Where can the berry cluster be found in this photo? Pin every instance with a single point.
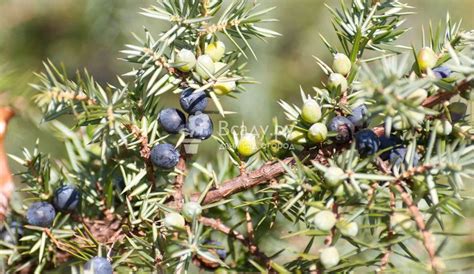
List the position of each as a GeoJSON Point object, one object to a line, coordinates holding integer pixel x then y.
{"type": "Point", "coordinates": [198, 125]}
{"type": "Point", "coordinates": [66, 199]}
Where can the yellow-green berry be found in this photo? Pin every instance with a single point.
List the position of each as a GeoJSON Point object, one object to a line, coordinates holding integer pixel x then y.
{"type": "Point", "coordinates": [205, 66]}
{"type": "Point", "coordinates": [325, 220]}
{"type": "Point", "coordinates": [216, 50]}
{"type": "Point", "coordinates": [349, 229]}
{"type": "Point", "coordinates": [224, 87]}
{"type": "Point", "coordinates": [418, 96]}
{"type": "Point", "coordinates": [298, 137]}
{"type": "Point", "coordinates": [317, 133]}
{"type": "Point", "coordinates": [329, 257]}
{"type": "Point", "coordinates": [336, 80]}
{"type": "Point", "coordinates": [341, 64]}
{"type": "Point", "coordinates": [334, 176]}
{"type": "Point", "coordinates": [186, 59]}
{"type": "Point", "coordinates": [311, 111]}
{"type": "Point", "coordinates": [247, 145]}
{"type": "Point", "coordinates": [401, 220]}
{"type": "Point", "coordinates": [191, 210]}
{"type": "Point", "coordinates": [426, 59]}
{"type": "Point", "coordinates": [174, 220]}
{"type": "Point", "coordinates": [443, 127]}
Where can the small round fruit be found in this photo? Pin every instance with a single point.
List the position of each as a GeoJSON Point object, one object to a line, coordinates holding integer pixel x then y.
{"type": "Point", "coordinates": [311, 111]}
{"type": "Point", "coordinates": [400, 123]}
{"type": "Point", "coordinates": [297, 137]}
{"type": "Point", "coordinates": [443, 127]}
{"type": "Point", "coordinates": [164, 156]}
{"type": "Point", "coordinates": [205, 66]}
{"type": "Point", "coordinates": [341, 64]}
{"type": "Point", "coordinates": [334, 176]}
{"type": "Point", "coordinates": [367, 142]}
{"type": "Point", "coordinates": [329, 257]}
{"type": "Point", "coordinates": [457, 111]}
{"type": "Point", "coordinates": [40, 214]}
{"type": "Point", "coordinates": [397, 156]}
{"type": "Point", "coordinates": [336, 80]}
{"type": "Point", "coordinates": [325, 220]}
{"type": "Point", "coordinates": [247, 145]}
{"type": "Point", "coordinates": [343, 127]}
{"type": "Point", "coordinates": [418, 96]}
{"type": "Point", "coordinates": [98, 265]}
{"type": "Point", "coordinates": [222, 87]}
{"type": "Point", "coordinates": [66, 198]}
{"type": "Point", "coordinates": [191, 210]}
{"type": "Point", "coordinates": [359, 116]}
{"type": "Point", "coordinates": [186, 59]}
{"type": "Point", "coordinates": [199, 126]}
{"type": "Point", "coordinates": [173, 220]}
{"type": "Point", "coordinates": [317, 133]}
{"type": "Point", "coordinates": [426, 59]}
{"type": "Point", "coordinates": [12, 234]}
{"type": "Point", "coordinates": [401, 220]}
{"type": "Point", "coordinates": [442, 72]}
{"type": "Point", "coordinates": [215, 50]}
{"type": "Point", "coordinates": [192, 101]}
{"type": "Point", "coordinates": [219, 250]}
{"type": "Point", "coordinates": [172, 120]}
{"type": "Point", "coordinates": [388, 142]}
{"type": "Point", "coordinates": [349, 229]}
{"type": "Point", "coordinates": [278, 148]}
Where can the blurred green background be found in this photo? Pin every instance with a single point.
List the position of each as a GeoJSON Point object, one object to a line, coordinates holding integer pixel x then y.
{"type": "Point", "coordinates": [90, 33]}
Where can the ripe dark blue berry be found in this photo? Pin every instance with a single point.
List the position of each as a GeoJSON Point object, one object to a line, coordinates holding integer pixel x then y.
{"type": "Point", "coordinates": [164, 156]}
{"type": "Point", "coordinates": [388, 142]}
{"type": "Point", "coordinates": [12, 234]}
{"type": "Point", "coordinates": [397, 157]}
{"type": "Point", "coordinates": [367, 142]}
{"type": "Point", "coordinates": [359, 116]}
{"type": "Point", "coordinates": [40, 214]}
{"type": "Point", "coordinates": [66, 198]}
{"type": "Point", "coordinates": [442, 72]}
{"type": "Point", "coordinates": [192, 101]}
{"type": "Point", "coordinates": [172, 120]}
{"type": "Point", "coordinates": [344, 128]}
{"type": "Point", "coordinates": [98, 265]}
{"type": "Point", "coordinates": [199, 126]}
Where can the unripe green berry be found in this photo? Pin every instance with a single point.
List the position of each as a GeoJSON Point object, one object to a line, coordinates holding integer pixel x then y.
{"type": "Point", "coordinates": [247, 145]}
{"type": "Point", "coordinates": [187, 59]}
{"type": "Point", "coordinates": [335, 80]}
{"type": "Point", "coordinates": [341, 64]}
{"type": "Point", "coordinates": [334, 176]}
{"type": "Point", "coordinates": [278, 148]}
{"type": "Point", "coordinates": [216, 50]}
{"type": "Point", "coordinates": [311, 111]}
{"type": "Point", "coordinates": [418, 96]}
{"type": "Point", "coordinates": [205, 66]}
{"type": "Point", "coordinates": [325, 220]}
{"type": "Point", "coordinates": [443, 127]}
{"type": "Point", "coordinates": [401, 220]}
{"type": "Point", "coordinates": [426, 59]}
{"type": "Point", "coordinates": [349, 229]}
{"type": "Point", "coordinates": [297, 137]}
{"type": "Point", "coordinates": [224, 87]}
{"type": "Point", "coordinates": [174, 220]}
{"type": "Point", "coordinates": [191, 210]}
{"type": "Point", "coordinates": [329, 257]}
{"type": "Point", "coordinates": [317, 133]}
